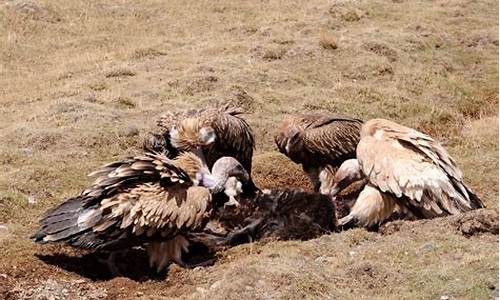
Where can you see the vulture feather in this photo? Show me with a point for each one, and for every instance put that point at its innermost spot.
(405, 169)
(148, 199)
(210, 132)
(317, 141)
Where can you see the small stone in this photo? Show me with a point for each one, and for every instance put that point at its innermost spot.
(3, 227)
(3, 276)
(201, 290)
(216, 285)
(426, 248)
(352, 253)
(32, 199)
(444, 298)
(323, 259)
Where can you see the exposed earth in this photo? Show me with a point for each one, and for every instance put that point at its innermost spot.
(83, 82)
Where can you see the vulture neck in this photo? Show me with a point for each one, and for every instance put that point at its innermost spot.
(199, 152)
(220, 183)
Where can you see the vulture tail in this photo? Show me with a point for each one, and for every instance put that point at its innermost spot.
(474, 199)
(66, 221)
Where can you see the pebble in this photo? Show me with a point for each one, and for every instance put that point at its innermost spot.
(216, 285)
(32, 199)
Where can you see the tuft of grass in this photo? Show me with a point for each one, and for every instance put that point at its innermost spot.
(147, 53)
(125, 102)
(121, 72)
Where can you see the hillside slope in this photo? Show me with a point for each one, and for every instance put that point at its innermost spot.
(82, 82)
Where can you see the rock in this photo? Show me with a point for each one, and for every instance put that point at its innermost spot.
(426, 248)
(324, 259)
(216, 285)
(32, 199)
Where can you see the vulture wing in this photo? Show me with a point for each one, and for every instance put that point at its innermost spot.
(334, 139)
(131, 201)
(405, 162)
(234, 137)
(321, 139)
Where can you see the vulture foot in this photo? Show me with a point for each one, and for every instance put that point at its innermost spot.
(232, 202)
(347, 222)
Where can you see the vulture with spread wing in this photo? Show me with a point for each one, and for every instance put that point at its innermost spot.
(405, 170)
(317, 141)
(147, 199)
(211, 133)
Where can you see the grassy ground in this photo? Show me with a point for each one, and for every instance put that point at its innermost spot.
(82, 82)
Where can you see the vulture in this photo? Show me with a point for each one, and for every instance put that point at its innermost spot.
(405, 171)
(317, 141)
(269, 214)
(211, 133)
(148, 200)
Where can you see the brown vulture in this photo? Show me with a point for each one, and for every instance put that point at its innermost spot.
(405, 170)
(211, 133)
(317, 141)
(145, 200)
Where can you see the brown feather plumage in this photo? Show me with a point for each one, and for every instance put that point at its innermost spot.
(318, 140)
(133, 201)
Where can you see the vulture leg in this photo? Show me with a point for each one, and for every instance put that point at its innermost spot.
(232, 202)
(347, 222)
(313, 174)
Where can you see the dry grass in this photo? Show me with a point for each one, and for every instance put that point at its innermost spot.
(82, 81)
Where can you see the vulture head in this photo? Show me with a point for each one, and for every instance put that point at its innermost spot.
(190, 134)
(227, 175)
(348, 172)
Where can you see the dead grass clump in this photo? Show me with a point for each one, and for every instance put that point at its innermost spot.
(239, 97)
(121, 72)
(275, 53)
(35, 139)
(351, 16)
(196, 84)
(98, 86)
(147, 53)
(34, 11)
(363, 70)
(381, 49)
(476, 107)
(327, 41)
(125, 102)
